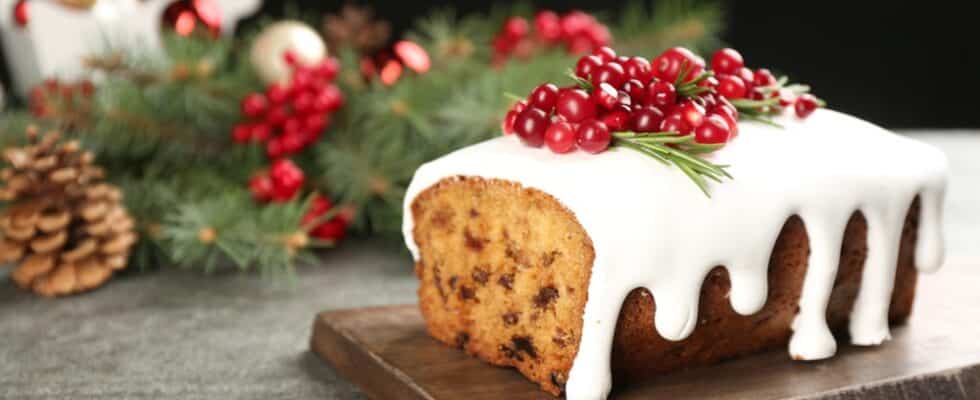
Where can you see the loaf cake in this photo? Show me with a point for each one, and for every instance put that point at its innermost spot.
(510, 248)
(581, 270)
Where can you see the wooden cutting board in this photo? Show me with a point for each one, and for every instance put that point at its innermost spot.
(936, 355)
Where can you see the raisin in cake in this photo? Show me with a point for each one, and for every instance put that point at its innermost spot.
(582, 270)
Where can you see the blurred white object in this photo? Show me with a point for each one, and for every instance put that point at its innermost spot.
(270, 46)
(57, 38)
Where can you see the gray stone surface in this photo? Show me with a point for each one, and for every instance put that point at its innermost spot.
(180, 335)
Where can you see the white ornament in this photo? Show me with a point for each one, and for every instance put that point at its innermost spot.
(273, 42)
(57, 38)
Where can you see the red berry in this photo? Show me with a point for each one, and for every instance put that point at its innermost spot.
(762, 77)
(605, 96)
(636, 91)
(273, 148)
(414, 56)
(328, 99)
(714, 130)
(261, 187)
(292, 142)
(616, 120)
(661, 94)
(731, 86)
(724, 107)
(639, 68)
(515, 28)
(605, 54)
(276, 93)
(575, 105)
(327, 69)
(726, 61)
(646, 119)
(21, 13)
(277, 115)
(520, 105)
(579, 44)
(241, 133)
(667, 66)
(544, 97)
(674, 122)
(560, 137)
(261, 132)
(611, 73)
(729, 120)
(530, 125)
(747, 77)
(304, 103)
(692, 113)
(285, 174)
(805, 105)
(507, 125)
(254, 105)
(593, 136)
(586, 65)
(333, 230)
(548, 25)
(315, 123)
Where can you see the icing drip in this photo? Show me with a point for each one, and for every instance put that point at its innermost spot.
(651, 227)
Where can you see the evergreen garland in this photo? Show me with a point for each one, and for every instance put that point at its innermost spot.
(161, 127)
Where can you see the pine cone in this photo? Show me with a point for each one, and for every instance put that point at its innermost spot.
(67, 230)
(355, 28)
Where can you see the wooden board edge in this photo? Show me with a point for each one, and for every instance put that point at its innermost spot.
(959, 383)
(352, 360)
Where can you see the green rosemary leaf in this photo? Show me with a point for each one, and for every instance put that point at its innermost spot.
(582, 83)
(751, 104)
(513, 97)
(761, 118)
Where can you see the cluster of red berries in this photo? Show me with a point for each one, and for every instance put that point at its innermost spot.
(335, 228)
(671, 93)
(53, 97)
(289, 117)
(388, 65)
(578, 31)
(280, 184)
(732, 80)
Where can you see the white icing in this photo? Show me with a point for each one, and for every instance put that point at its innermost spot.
(651, 227)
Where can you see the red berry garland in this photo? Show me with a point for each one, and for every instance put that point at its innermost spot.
(671, 107)
(280, 184)
(577, 31)
(289, 117)
(334, 228)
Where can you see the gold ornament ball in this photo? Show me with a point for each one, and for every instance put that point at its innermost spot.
(273, 42)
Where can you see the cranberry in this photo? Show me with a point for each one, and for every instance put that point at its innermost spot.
(548, 25)
(729, 120)
(273, 148)
(277, 115)
(605, 54)
(261, 132)
(805, 105)
(544, 97)
(576, 106)
(709, 82)
(254, 105)
(315, 123)
(586, 65)
(762, 77)
(667, 66)
(508, 124)
(611, 73)
(530, 125)
(674, 122)
(327, 69)
(661, 94)
(714, 130)
(646, 119)
(636, 91)
(616, 120)
(593, 136)
(560, 137)
(639, 68)
(724, 107)
(21, 13)
(605, 95)
(692, 113)
(519, 106)
(276, 93)
(304, 103)
(747, 76)
(328, 99)
(241, 133)
(261, 187)
(731, 86)
(726, 61)
(515, 28)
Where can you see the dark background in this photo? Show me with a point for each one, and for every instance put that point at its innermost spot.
(899, 64)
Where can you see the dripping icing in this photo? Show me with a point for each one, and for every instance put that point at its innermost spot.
(822, 169)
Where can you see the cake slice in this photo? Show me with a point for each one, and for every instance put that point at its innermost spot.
(581, 270)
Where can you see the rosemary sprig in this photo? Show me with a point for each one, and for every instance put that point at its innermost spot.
(582, 83)
(763, 110)
(681, 151)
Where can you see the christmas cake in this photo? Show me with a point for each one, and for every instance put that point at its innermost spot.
(599, 261)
